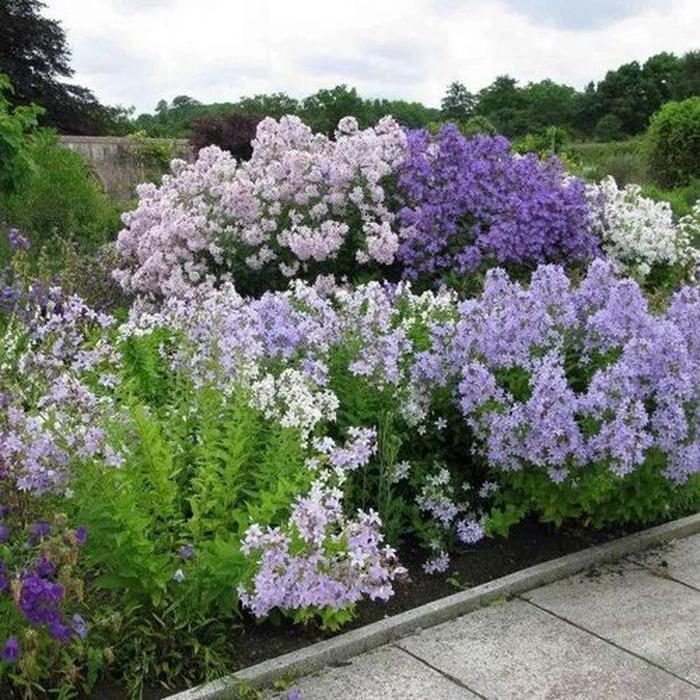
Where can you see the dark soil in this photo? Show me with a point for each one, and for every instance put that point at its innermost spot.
(528, 543)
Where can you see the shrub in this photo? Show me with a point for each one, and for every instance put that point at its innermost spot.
(470, 201)
(638, 232)
(60, 200)
(302, 205)
(477, 125)
(233, 132)
(673, 143)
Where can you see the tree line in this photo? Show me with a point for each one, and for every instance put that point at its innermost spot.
(35, 55)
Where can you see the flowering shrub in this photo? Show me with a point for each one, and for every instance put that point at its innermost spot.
(636, 231)
(471, 199)
(301, 205)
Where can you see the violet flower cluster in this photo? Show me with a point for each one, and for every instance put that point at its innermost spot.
(470, 199)
(44, 586)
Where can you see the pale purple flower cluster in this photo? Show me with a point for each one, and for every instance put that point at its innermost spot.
(524, 353)
(295, 208)
(468, 200)
(334, 562)
(51, 416)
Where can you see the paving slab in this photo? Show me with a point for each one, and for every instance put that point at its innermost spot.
(516, 650)
(679, 559)
(654, 617)
(385, 674)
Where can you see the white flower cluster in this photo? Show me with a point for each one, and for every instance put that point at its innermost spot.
(635, 230)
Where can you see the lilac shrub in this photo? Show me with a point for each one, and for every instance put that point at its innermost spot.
(470, 201)
(302, 204)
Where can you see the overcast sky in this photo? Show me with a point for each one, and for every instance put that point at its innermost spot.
(134, 52)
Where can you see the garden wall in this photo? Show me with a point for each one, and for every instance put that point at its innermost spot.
(122, 162)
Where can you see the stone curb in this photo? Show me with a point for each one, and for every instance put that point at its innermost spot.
(343, 647)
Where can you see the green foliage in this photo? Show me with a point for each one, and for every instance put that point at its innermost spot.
(673, 143)
(198, 469)
(595, 497)
(477, 125)
(609, 128)
(17, 127)
(621, 159)
(60, 200)
(458, 103)
(35, 54)
(681, 199)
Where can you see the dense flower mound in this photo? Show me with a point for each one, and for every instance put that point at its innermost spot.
(302, 201)
(637, 231)
(561, 378)
(469, 199)
(547, 375)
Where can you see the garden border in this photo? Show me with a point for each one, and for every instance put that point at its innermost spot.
(345, 646)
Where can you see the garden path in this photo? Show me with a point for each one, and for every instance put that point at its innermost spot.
(627, 630)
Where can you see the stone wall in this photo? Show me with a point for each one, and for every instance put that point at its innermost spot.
(122, 162)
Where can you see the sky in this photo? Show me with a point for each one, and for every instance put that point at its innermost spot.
(135, 52)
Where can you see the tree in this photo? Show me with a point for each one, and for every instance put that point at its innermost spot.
(275, 105)
(609, 128)
(504, 104)
(548, 104)
(35, 55)
(16, 129)
(458, 103)
(686, 81)
(324, 109)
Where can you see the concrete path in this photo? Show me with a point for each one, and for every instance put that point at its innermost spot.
(629, 630)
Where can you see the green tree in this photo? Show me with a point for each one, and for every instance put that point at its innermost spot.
(324, 109)
(609, 128)
(35, 55)
(548, 104)
(17, 127)
(504, 104)
(275, 105)
(458, 103)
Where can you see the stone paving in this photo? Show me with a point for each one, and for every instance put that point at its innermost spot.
(628, 630)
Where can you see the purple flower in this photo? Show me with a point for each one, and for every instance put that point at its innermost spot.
(39, 600)
(81, 535)
(4, 532)
(79, 626)
(466, 200)
(60, 631)
(294, 694)
(11, 651)
(186, 551)
(44, 567)
(39, 530)
(17, 240)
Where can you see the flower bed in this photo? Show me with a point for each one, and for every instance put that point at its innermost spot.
(234, 446)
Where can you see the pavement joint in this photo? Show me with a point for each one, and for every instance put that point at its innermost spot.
(580, 627)
(444, 674)
(662, 572)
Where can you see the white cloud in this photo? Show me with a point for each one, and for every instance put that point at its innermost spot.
(136, 51)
